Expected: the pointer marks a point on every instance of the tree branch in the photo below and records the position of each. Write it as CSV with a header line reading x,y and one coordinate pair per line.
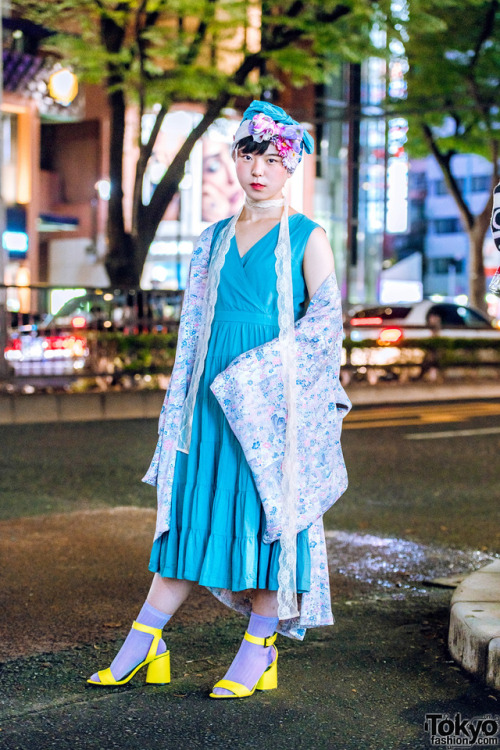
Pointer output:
x,y
145,151
485,33
444,161
288,36
151,215
200,35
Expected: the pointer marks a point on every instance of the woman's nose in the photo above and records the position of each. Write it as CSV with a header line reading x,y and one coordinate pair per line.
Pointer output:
x,y
257,167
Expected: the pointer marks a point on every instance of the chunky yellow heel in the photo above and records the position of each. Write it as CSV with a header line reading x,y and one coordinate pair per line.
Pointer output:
x,y
268,681
159,670
158,665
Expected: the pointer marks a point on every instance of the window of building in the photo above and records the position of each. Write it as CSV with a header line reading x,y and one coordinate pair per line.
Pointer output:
x,y
442,266
417,211
418,180
448,225
441,189
480,183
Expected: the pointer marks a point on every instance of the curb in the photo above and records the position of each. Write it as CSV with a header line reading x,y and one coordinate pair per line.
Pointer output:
x,y
474,632
380,395
85,407
80,407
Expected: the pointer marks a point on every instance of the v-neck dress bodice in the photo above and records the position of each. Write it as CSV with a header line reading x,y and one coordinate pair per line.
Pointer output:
x,y
217,520
248,283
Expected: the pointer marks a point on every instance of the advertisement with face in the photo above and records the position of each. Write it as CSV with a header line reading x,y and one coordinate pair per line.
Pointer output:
x,y
214,177
221,194
208,193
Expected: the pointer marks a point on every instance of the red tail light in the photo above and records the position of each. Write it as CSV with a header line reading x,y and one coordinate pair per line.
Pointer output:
x,y
78,322
72,344
366,321
390,336
13,346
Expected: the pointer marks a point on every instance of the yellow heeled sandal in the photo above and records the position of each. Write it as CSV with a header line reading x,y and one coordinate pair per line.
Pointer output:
x,y
268,681
158,666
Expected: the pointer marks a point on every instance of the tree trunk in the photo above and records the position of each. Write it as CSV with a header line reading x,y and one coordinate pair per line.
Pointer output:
x,y
477,278
121,259
476,225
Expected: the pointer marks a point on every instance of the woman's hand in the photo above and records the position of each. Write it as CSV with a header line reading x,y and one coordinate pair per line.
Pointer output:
x,y
318,260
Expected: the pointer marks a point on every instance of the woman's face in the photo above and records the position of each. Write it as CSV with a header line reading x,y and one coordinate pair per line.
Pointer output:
x,y
262,176
221,194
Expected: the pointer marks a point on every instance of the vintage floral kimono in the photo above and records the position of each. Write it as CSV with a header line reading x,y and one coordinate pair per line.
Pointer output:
x,y
250,392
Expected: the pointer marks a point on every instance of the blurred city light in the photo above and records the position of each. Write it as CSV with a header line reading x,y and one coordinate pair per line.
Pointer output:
x,y
63,86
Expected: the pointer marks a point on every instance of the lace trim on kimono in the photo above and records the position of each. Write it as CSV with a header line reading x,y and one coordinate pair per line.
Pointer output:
x,y
287,585
216,263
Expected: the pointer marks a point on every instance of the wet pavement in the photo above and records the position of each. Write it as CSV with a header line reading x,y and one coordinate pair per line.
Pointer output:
x,y
367,683
373,565
80,577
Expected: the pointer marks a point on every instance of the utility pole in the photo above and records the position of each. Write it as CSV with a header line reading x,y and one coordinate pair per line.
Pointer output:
x,y
3,258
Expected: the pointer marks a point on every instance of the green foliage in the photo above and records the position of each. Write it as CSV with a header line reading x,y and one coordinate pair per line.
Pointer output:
x,y
150,52
453,49
178,49
433,343
146,353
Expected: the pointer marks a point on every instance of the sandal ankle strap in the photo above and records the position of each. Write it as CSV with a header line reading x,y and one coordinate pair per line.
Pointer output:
x,y
156,632
268,641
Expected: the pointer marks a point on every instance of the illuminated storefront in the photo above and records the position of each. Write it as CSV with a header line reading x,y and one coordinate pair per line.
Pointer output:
x,y
36,89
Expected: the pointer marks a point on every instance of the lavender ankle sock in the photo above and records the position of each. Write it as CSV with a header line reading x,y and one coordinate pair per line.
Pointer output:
x,y
137,644
252,660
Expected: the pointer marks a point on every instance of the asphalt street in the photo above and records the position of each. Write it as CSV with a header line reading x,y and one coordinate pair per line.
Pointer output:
x,y
419,471
367,683
420,489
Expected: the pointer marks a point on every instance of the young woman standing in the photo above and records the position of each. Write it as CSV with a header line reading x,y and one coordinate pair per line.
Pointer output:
x,y
248,457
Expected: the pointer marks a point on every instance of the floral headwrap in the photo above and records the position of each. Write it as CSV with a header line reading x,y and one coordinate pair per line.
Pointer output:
x,y
267,122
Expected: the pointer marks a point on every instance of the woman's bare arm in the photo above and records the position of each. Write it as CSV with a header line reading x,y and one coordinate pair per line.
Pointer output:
x,y
318,260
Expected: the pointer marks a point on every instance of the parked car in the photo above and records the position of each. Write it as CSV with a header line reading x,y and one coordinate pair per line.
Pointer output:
x,y
395,329
393,324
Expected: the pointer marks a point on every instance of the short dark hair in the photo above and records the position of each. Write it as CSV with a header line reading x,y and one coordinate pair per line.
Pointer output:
x,y
249,146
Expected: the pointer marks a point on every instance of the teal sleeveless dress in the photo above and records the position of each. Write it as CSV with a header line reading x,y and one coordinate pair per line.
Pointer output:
x,y
217,522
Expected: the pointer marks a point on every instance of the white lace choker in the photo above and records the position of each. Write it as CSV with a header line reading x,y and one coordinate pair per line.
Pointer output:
x,y
264,204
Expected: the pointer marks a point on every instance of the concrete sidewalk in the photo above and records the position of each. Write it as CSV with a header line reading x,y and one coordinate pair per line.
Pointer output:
x,y
474,634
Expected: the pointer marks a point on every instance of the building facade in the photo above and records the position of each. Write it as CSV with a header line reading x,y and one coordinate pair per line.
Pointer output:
x,y
53,157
